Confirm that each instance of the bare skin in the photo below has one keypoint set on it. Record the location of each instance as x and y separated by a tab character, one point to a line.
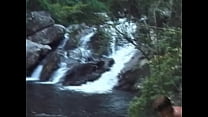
177	112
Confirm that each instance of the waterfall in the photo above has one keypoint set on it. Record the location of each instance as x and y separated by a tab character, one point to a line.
84	51
60	72
121	53
63	43
113	44
85	39
36	74
57	75
108	79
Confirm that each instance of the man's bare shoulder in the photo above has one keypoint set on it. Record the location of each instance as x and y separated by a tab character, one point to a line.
177	111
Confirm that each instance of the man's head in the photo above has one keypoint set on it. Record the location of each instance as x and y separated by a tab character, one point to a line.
163	106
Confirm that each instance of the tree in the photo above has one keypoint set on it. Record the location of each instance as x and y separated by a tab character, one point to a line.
160	40
165	77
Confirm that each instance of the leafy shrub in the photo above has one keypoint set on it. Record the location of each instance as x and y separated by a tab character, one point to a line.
165	77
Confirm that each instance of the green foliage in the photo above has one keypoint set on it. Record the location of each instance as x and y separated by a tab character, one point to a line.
159	11
134	8
33	5
165	77
116	6
168	41
95	6
163	45
66	14
70	11
122	7
77	11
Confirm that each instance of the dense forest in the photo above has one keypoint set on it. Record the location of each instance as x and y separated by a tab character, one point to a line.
158	37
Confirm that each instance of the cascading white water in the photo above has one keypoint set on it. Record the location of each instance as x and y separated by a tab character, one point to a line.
36	74
60	72
121	55
108	79
82	51
85	39
57	75
85	52
63	43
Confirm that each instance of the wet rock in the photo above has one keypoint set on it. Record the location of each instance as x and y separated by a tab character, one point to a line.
79	74
135	71
37	20
71	44
82	73
50	63
49	36
34	52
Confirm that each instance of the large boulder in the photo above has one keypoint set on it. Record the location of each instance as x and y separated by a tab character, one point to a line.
49	36
34	52
81	73
37	20
50	64
133	73
104	64
71	43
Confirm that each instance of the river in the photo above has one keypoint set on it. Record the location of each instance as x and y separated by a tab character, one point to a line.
49	101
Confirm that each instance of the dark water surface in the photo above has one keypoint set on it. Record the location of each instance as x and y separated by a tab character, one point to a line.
50	101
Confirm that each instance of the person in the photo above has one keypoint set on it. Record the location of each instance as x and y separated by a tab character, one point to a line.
163	106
